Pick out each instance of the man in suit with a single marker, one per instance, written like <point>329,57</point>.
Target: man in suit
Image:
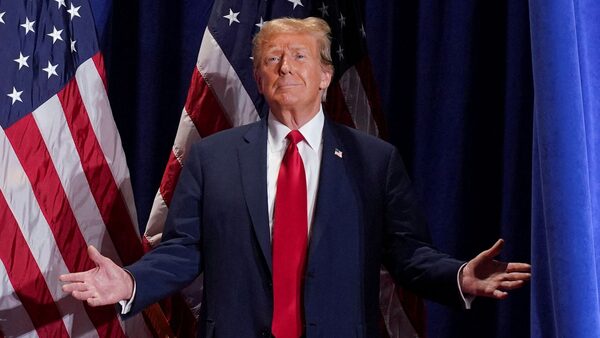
<point>291,217</point>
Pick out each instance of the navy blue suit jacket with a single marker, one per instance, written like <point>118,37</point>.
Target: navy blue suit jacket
<point>365,215</point>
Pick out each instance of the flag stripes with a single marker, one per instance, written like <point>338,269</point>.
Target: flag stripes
<point>16,188</point>
<point>31,152</point>
<point>100,179</point>
<point>50,118</point>
<point>55,183</point>
<point>357,102</point>
<point>27,279</point>
<point>13,311</point>
<point>225,82</point>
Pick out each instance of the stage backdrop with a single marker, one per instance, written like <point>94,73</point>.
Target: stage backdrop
<point>457,84</point>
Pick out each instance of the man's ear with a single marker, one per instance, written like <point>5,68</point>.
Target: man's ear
<point>326,75</point>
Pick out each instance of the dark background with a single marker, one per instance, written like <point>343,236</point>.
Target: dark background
<point>455,80</point>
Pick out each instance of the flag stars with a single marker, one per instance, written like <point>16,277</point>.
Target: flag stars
<point>28,25</point>
<point>22,60</point>
<point>323,10</point>
<point>340,53</point>
<point>2,17</point>
<point>74,11</point>
<point>55,35</point>
<point>15,95</point>
<point>261,23</point>
<point>51,69</point>
<point>296,3</point>
<point>232,17</point>
<point>342,20</point>
<point>61,3</point>
<point>73,49</point>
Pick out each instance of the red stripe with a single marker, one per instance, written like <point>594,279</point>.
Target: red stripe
<point>336,107</point>
<point>106,193</point>
<point>365,71</point>
<point>29,146</point>
<point>26,278</point>
<point>205,111</point>
<point>99,62</point>
<point>170,178</point>
<point>146,245</point>
<point>204,108</point>
<point>414,309</point>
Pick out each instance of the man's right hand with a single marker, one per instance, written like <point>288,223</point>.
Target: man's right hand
<point>105,284</point>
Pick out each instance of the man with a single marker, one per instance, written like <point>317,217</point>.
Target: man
<point>290,218</point>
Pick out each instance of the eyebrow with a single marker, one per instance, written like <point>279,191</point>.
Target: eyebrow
<point>292,47</point>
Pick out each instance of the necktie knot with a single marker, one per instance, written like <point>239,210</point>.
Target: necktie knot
<point>295,136</point>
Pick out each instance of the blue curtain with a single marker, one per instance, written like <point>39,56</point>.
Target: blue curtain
<point>457,85</point>
<point>565,38</point>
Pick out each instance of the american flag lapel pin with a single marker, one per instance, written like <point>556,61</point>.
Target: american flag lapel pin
<point>338,153</point>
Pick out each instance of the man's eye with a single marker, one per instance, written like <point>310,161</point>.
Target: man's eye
<point>300,56</point>
<point>273,59</point>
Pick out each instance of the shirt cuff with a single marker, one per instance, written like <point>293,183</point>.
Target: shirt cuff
<point>126,304</point>
<point>467,299</point>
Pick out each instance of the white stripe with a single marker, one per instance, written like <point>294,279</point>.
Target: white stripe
<point>187,134</point>
<point>357,102</point>
<point>396,321</point>
<point>96,103</point>
<point>53,126</point>
<point>14,319</point>
<point>225,83</point>
<point>156,220</point>
<point>18,192</point>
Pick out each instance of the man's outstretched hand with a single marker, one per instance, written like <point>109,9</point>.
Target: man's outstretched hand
<point>105,284</point>
<point>484,276</point>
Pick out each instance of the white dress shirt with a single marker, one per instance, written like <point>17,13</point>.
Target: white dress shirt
<point>310,150</point>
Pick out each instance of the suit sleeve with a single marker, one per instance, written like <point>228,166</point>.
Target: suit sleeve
<point>407,254</point>
<point>176,261</point>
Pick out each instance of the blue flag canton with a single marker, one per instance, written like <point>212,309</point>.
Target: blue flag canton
<point>234,23</point>
<point>43,43</point>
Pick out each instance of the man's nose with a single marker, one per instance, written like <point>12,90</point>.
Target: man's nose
<point>285,66</point>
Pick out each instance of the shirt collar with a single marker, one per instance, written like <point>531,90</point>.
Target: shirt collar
<point>312,131</point>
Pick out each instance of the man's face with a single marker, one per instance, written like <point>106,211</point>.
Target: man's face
<point>290,74</point>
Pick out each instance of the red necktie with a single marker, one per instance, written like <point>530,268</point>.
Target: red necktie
<point>290,227</point>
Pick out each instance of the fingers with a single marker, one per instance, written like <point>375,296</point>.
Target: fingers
<point>494,250</point>
<point>518,267</point>
<point>517,276</point>
<point>95,255</point>
<point>74,277</point>
<point>511,285</point>
<point>499,294</point>
<point>73,287</point>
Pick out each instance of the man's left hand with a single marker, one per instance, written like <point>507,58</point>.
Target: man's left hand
<point>484,276</point>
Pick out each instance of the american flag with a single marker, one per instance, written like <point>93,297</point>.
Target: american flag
<point>64,181</point>
<point>223,94</point>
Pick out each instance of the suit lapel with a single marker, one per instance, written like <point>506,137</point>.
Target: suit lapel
<point>333,182</point>
<point>253,165</point>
